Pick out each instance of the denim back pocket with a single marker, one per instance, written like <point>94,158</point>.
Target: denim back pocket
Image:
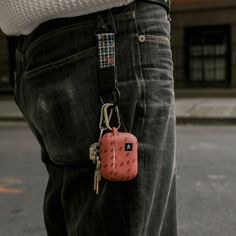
<point>61,100</point>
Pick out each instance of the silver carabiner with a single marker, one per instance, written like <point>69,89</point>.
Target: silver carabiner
<point>102,118</point>
<point>107,120</point>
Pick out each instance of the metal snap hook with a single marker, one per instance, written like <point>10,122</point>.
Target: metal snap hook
<point>106,118</point>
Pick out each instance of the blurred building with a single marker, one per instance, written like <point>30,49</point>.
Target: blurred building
<point>7,61</point>
<point>203,43</point>
<point>4,68</point>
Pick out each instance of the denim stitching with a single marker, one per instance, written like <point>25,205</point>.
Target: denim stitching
<point>142,104</point>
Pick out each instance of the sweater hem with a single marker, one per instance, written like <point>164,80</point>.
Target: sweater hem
<point>89,9</point>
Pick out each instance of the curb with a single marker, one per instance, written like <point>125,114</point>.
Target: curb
<point>12,118</point>
<point>180,120</point>
<point>205,120</point>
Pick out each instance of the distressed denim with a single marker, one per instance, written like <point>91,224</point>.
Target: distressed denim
<point>56,89</point>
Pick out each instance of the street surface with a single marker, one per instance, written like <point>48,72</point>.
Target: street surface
<point>206,159</point>
<point>22,183</point>
<point>206,181</point>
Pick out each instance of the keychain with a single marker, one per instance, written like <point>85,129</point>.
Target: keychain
<point>116,153</point>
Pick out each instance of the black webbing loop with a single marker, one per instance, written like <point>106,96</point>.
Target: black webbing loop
<point>107,72</point>
<point>112,97</point>
<point>107,25</point>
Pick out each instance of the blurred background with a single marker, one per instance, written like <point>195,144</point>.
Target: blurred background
<point>204,52</point>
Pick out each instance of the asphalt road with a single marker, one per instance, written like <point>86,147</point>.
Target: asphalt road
<point>206,181</point>
<point>22,183</point>
<point>206,158</point>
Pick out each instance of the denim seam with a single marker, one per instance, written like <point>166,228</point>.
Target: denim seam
<point>140,78</point>
<point>166,203</point>
<point>141,82</point>
<point>62,199</point>
<point>142,102</point>
<point>138,66</point>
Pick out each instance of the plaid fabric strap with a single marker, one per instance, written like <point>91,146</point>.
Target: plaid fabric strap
<point>105,34</point>
<point>106,50</point>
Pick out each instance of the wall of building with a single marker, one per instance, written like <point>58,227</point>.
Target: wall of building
<point>184,13</point>
<point>187,13</point>
<point>4,73</point>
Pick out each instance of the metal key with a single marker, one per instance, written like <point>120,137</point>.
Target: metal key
<point>95,180</point>
<point>94,148</point>
<point>98,179</point>
<point>97,175</point>
<point>93,151</point>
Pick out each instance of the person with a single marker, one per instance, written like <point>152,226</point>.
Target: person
<point>56,88</point>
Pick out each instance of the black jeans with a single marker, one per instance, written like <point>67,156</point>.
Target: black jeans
<point>56,89</point>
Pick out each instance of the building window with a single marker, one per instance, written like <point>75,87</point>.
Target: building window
<point>208,55</point>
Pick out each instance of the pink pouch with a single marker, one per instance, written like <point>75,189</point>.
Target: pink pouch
<point>118,156</point>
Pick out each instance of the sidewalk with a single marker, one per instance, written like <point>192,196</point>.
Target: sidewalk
<point>9,111</point>
<point>206,110</point>
<point>188,110</point>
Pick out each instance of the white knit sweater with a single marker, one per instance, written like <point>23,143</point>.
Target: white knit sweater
<point>23,16</point>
